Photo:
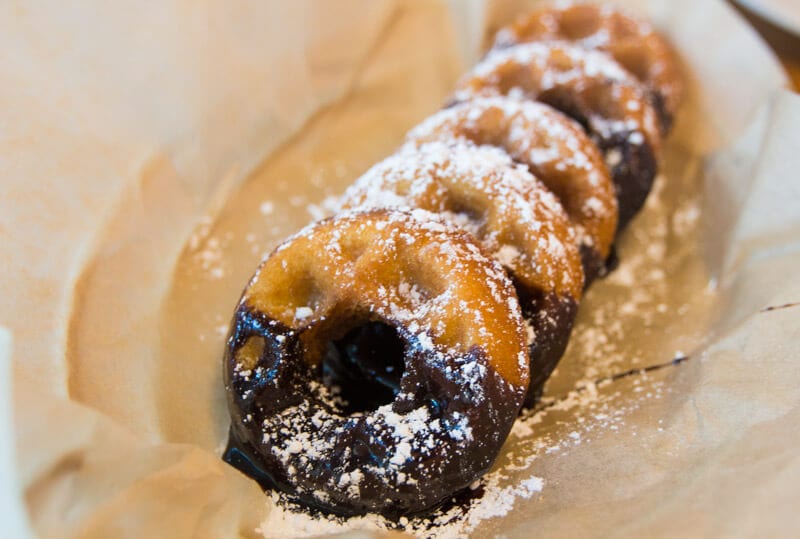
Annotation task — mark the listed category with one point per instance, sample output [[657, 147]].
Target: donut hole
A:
[[364, 366]]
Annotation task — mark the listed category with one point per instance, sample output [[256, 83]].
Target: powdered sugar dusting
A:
[[582, 63], [480, 189], [607, 28], [530, 69], [589, 407], [551, 145], [316, 429], [207, 249]]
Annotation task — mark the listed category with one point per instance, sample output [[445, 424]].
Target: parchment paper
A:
[[150, 153]]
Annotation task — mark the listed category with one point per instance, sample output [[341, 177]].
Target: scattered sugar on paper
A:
[[266, 207], [208, 249], [596, 408]]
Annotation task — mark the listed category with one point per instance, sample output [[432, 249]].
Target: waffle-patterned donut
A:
[[554, 148], [317, 303], [593, 89], [512, 216], [632, 42]]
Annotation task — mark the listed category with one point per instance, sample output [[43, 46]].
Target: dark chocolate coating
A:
[[633, 175], [552, 318], [593, 265], [282, 379], [367, 364], [665, 118]]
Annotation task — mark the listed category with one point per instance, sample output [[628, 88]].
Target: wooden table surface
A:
[[785, 45]]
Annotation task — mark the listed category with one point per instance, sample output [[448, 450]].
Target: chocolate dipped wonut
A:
[[377, 360], [397, 300], [551, 147], [633, 43], [512, 216]]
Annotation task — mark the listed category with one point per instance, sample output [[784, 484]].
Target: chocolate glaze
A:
[[282, 379], [593, 265], [633, 175], [665, 118], [612, 262], [552, 318]]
